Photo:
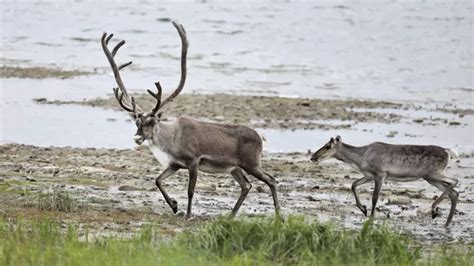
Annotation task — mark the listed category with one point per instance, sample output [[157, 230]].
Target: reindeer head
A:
[[145, 121], [327, 151]]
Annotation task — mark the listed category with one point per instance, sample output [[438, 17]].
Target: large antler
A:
[[121, 95], [184, 51]]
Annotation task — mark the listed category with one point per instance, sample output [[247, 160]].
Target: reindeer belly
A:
[[215, 166], [402, 174]]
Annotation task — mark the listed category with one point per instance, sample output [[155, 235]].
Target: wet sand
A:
[[114, 192]]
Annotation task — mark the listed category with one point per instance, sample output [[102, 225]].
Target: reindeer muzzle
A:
[[138, 139]]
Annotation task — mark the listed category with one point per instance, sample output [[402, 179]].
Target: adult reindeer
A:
[[186, 143]]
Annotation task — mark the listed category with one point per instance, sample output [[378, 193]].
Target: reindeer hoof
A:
[[363, 208], [435, 213], [174, 206]]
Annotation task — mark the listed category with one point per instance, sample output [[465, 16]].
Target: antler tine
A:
[[157, 96], [184, 51], [116, 70], [124, 65], [108, 38], [119, 97], [117, 47]]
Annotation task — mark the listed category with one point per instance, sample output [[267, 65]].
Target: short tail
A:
[[453, 153]]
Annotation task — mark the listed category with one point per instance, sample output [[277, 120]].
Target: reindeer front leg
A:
[[354, 186], [169, 171]]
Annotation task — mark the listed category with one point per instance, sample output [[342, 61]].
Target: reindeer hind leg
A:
[[446, 188], [258, 173], [245, 185]]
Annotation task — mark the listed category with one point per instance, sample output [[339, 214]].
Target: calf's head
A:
[[327, 151]]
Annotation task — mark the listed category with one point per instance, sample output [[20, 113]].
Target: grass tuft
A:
[[55, 200], [298, 241]]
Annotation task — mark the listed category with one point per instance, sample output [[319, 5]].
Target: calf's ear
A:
[[338, 139]]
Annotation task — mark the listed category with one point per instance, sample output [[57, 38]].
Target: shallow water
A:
[[382, 50], [409, 51]]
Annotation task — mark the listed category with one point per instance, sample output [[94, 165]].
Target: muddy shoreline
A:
[[114, 190], [281, 112]]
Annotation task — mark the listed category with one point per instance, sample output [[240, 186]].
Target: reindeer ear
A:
[[338, 139], [331, 140]]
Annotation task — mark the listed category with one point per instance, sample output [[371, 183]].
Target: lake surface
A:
[[386, 50]]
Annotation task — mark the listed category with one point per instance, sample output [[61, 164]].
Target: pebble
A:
[[128, 188], [30, 179], [398, 201], [311, 198]]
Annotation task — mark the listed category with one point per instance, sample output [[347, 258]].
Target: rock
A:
[[210, 188], [128, 188], [40, 100], [398, 201], [315, 187], [311, 198], [426, 212], [305, 104], [30, 179]]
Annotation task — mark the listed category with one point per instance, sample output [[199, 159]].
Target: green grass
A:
[[47, 243], [222, 242], [296, 241]]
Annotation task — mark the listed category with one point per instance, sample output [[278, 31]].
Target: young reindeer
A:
[[378, 161], [189, 144]]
